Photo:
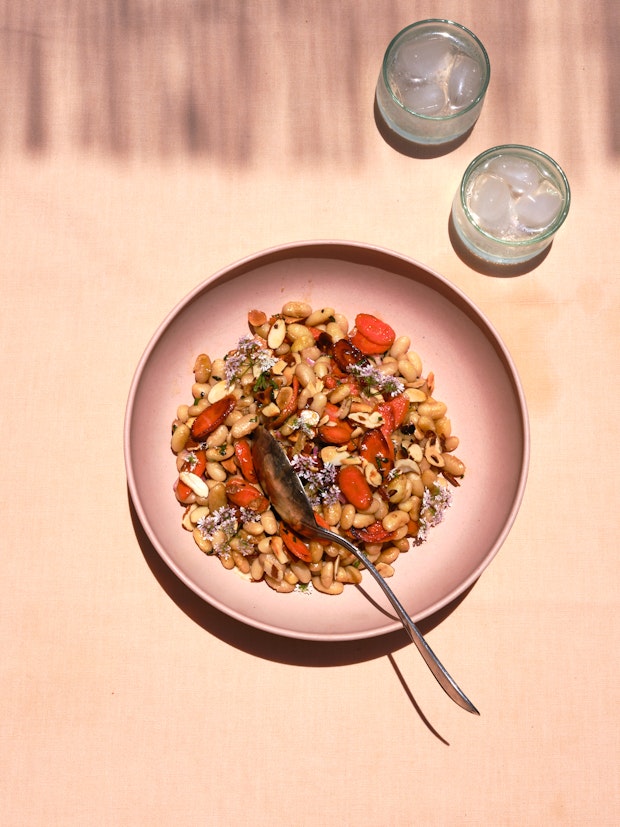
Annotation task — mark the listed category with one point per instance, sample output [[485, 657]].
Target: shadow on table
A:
[[487, 268], [411, 149], [265, 644]]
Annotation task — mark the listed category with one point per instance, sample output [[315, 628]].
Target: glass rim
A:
[[502, 149], [445, 22]]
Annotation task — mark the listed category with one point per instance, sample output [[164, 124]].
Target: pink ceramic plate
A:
[[475, 376]]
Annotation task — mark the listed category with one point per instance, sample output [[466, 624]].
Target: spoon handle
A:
[[433, 663]]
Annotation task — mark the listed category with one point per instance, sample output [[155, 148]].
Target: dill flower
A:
[[435, 501], [319, 483], [251, 353], [373, 381]]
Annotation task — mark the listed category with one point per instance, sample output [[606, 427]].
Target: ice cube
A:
[[519, 173], [464, 82], [424, 97], [489, 201], [536, 211], [424, 58]]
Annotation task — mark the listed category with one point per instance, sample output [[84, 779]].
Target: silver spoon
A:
[[287, 495]]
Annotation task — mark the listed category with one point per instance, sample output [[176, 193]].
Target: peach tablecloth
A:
[[145, 145]]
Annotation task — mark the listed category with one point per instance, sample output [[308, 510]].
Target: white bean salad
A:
[[361, 425]]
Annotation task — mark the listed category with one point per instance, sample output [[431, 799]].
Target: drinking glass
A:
[[433, 81], [511, 202]]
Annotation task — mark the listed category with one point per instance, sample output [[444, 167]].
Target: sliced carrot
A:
[[374, 533], [243, 455], [198, 465], [295, 544], [212, 417], [400, 407], [354, 487], [346, 353], [182, 491], [336, 432], [378, 449], [245, 495], [375, 330], [290, 407], [367, 347]]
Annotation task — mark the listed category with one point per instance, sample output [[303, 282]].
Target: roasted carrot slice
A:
[[345, 353], [245, 495], [375, 330], [336, 432], [212, 417], [374, 533], [295, 544], [366, 346], [243, 455], [354, 487], [378, 449], [198, 465]]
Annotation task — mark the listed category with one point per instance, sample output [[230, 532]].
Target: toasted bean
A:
[[453, 465], [334, 329], [432, 408], [389, 555], [305, 374], [384, 569], [339, 393], [451, 443], [429, 478], [183, 413], [347, 516], [242, 563], [200, 390], [407, 370], [395, 520], [301, 571], [327, 574], [201, 541], [217, 437], [244, 426], [316, 551], [179, 437], [256, 569], [362, 520], [400, 347], [227, 561], [198, 408], [399, 488], [279, 585], [296, 309], [202, 368], [269, 522], [215, 471], [321, 316], [217, 497], [332, 513], [334, 588]]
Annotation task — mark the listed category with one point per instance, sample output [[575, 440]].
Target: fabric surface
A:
[[146, 145]]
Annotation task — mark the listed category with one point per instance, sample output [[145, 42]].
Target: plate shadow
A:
[[267, 645]]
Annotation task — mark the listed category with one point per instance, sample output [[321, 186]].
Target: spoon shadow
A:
[[278, 648]]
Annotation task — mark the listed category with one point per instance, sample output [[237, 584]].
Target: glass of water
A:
[[432, 82], [511, 202]]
